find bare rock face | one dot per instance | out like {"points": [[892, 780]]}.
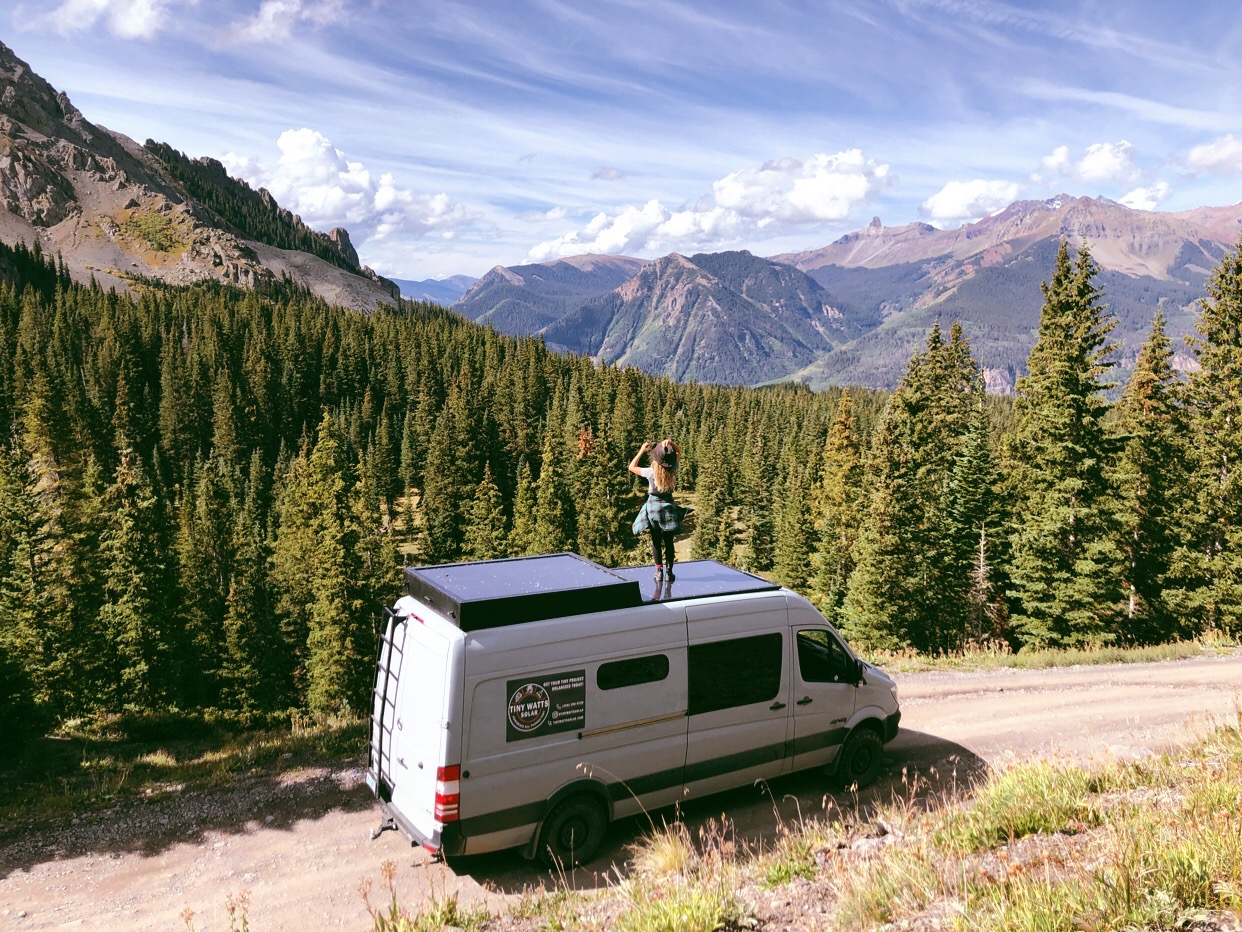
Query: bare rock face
{"points": [[340, 236], [111, 209]]}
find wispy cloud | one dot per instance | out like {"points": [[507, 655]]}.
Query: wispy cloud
{"points": [[1144, 108], [125, 19], [316, 180], [275, 20], [753, 201]]}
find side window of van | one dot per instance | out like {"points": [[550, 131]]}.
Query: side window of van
{"points": [[820, 658], [739, 671], [632, 671]]}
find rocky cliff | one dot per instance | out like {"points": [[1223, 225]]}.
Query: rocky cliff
{"points": [[112, 210]]}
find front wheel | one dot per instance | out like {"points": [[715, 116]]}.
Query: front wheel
{"points": [[572, 832], [860, 759]]}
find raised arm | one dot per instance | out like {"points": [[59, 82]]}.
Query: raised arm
{"points": [[634, 467]]}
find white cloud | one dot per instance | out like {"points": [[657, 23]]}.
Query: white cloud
{"points": [[779, 194], [1222, 155], [1146, 198], [276, 19], [963, 201], [315, 180], [1103, 161], [127, 19], [608, 174]]}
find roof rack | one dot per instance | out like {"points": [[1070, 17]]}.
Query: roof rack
{"points": [[499, 593]]}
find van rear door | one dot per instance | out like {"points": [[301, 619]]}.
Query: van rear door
{"points": [[409, 735]]}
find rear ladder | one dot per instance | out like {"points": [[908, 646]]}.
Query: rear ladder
{"points": [[390, 653]]}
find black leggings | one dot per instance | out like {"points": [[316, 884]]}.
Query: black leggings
{"points": [[661, 543]]}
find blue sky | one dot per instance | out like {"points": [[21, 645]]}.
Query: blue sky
{"points": [[451, 137]]}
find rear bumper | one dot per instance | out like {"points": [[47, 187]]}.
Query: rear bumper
{"points": [[447, 841], [890, 726]]}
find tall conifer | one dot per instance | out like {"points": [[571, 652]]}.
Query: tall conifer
{"points": [[1147, 477], [1209, 559], [1065, 564], [838, 505]]}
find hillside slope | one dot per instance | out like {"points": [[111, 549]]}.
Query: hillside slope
{"points": [[121, 212]]}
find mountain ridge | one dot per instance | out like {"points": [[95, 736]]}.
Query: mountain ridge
{"points": [[889, 284], [119, 212]]}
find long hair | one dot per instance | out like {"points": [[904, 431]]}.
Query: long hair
{"points": [[665, 479], [663, 476]]}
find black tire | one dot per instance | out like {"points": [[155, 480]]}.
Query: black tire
{"points": [[572, 832], [859, 762]]}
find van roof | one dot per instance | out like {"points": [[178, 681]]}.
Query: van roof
{"points": [[499, 593]]}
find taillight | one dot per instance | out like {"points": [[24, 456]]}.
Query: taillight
{"points": [[448, 793]]}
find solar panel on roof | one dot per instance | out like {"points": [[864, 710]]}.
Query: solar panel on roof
{"points": [[498, 593]]}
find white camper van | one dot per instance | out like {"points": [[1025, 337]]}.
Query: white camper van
{"points": [[528, 702]]}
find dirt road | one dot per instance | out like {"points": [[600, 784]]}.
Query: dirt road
{"points": [[299, 847]]}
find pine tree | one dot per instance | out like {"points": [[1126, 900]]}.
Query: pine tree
{"points": [[522, 534], [759, 509], [135, 613], [904, 590], [1208, 562], [1147, 477], [792, 557], [257, 673], [970, 519], [1065, 566], [600, 517], [485, 531], [556, 520], [713, 530], [839, 510], [874, 614]]}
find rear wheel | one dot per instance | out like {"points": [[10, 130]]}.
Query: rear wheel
{"points": [[572, 832], [860, 759]]}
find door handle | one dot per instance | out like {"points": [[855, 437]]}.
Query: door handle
{"points": [[776, 705], [805, 700]]}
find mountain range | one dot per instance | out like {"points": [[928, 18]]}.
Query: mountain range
{"points": [[851, 312], [855, 310]]}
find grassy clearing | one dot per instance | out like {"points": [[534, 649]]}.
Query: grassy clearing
{"points": [[100, 762], [158, 231], [998, 656]]}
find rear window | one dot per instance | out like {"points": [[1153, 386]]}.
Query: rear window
{"points": [[632, 672], [735, 672]]}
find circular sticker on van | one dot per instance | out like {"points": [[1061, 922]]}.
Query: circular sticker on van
{"points": [[528, 707]]}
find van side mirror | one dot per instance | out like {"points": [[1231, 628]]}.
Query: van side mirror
{"points": [[858, 673]]}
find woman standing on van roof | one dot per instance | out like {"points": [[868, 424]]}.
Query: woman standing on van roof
{"points": [[660, 514]]}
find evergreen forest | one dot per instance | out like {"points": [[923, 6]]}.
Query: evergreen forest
{"points": [[206, 494]]}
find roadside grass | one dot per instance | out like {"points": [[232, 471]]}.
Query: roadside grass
{"points": [[444, 912], [678, 885], [997, 656], [1154, 843], [96, 763]]}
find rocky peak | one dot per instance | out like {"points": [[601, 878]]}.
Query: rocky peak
{"points": [[340, 238]]}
